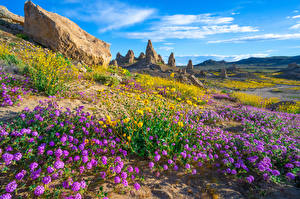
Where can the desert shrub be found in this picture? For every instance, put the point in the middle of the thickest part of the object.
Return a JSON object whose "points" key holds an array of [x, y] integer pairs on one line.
{"points": [[106, 79], [7, 56], [22, 36]]}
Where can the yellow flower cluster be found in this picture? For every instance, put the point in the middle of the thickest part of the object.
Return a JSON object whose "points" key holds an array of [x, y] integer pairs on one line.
{"points": [[49, 71], [174, 89], [254, 100], [243, 85]]}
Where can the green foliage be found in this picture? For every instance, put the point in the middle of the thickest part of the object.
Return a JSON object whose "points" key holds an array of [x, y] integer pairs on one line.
{"points": [[22, 36], [10, 59], [105, 79]]}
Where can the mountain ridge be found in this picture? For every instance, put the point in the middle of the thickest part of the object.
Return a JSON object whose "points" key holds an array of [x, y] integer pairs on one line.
{"points": [[258, 61]]}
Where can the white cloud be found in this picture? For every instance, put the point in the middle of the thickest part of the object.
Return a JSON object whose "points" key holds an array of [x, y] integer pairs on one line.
{"points": [[296, 11], [296, 17], [297, 26], [72, 1], [192, 19], [259, 38], [110, 16], [189, 27], [166, 48], [168, 43]]}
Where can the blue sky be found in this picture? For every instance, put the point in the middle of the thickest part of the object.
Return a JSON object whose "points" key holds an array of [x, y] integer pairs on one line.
{"points": [[192, 29]]}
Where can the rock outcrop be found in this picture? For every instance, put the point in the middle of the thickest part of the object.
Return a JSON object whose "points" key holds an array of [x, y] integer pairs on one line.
{"points": [[190, 66], [291, 72], [5, 14], [160, 60], [142, 56], [171, 61], [151, 55], [60, 34], [114, 62], [195, 81], [13, 23], [129, 57], [223, 73]]}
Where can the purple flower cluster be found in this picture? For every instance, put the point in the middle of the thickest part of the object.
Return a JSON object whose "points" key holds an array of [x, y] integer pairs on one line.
{"points": [[57, 140], [11, 89]]}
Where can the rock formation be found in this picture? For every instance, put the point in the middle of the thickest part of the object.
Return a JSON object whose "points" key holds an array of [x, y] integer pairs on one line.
{"points": [[190, 66], [129, 57], [119, 56], [195, 81], [5, 14], [223, 73], [160, 60], [151, 55], [114, 62], [61, 34], [142, 56], [293, 65], [12, 22], [172, 61]]}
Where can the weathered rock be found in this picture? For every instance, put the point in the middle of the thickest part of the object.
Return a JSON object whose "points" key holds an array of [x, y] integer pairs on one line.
{"points": [[182, 70], [200, 74], [195, 81], [61, 34], [151, 55], [129, 57], [293, 65], [119, 56], [10, 22], [233, 69], [171, 61], [142, 56], [183, 79], [160, 60], [190, 66], [5, 14], [114, 62], [223, 73]]}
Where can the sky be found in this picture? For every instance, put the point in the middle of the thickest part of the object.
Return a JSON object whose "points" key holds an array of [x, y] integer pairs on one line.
{"points": [[192, 29]]}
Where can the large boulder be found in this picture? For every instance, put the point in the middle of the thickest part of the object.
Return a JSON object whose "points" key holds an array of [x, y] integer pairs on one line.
{"points": [[196, 81], [60, 34], [171, 61]]}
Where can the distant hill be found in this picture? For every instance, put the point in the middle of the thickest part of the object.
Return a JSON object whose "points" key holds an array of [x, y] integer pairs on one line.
{"points": [[254, 61]]}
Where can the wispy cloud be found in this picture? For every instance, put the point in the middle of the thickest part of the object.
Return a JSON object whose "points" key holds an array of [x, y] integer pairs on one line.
{"points": [[259, 38], [109, 16], [194, 19], [296, 17], [190, 27], [296, 26], [166, 48]]}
